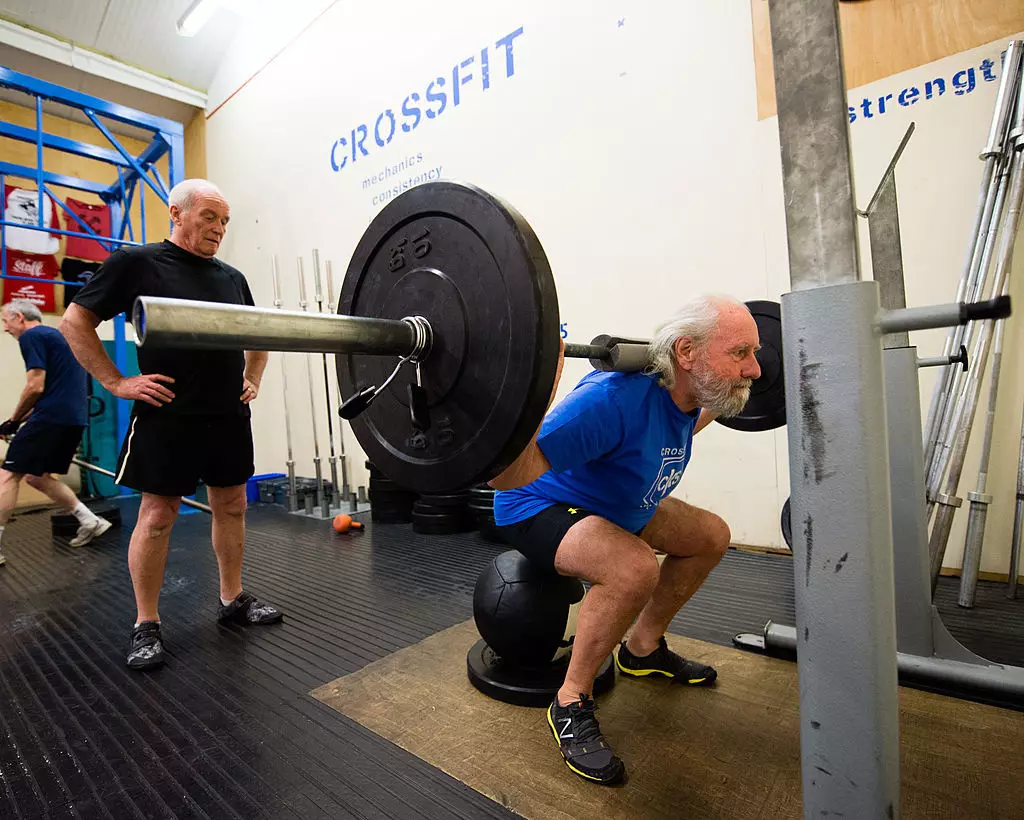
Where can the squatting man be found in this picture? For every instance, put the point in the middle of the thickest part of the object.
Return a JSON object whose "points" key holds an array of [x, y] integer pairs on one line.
{"points": [[589, 498]]}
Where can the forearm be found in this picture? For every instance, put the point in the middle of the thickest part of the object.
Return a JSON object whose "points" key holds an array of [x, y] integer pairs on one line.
{"points": [[86, 345], [27, 400], [255, 364]]}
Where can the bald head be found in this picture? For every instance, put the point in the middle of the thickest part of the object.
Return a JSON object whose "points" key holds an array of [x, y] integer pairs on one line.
{"points": [[200, 215]]}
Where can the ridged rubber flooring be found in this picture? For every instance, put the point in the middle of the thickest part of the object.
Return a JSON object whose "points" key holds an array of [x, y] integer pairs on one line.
{"points": [[227, 729]]}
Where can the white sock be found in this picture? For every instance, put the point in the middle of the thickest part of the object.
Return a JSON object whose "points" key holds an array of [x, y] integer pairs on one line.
{"points": [[225, 603], [83, 514]]}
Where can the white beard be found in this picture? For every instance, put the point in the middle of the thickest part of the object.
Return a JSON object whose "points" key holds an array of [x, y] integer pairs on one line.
{"points": [[718, 395]]}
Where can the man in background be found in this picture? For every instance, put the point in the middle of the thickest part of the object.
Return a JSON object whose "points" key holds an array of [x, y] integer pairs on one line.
{"points": [[48, 419]]}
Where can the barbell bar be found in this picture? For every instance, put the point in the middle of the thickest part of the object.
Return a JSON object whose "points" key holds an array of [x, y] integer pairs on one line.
{"points": [[185, 323]]}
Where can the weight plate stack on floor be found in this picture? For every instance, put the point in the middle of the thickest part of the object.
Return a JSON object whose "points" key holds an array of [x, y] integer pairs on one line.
{"points": [[481, 502], [390, 503], [443, 514], [65, 525]]}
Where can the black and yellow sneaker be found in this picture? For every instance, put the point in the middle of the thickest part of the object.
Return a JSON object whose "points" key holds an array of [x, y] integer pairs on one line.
{"points": [[583, 746], [663, 661]]}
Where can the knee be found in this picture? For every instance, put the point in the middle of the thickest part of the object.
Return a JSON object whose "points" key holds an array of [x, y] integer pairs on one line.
{"points": [[639, 576], [719, 538], [231, 508], [156, 522]]}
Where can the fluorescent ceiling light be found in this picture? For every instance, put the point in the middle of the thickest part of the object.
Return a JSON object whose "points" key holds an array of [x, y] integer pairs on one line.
{"points": [[196, 16]]}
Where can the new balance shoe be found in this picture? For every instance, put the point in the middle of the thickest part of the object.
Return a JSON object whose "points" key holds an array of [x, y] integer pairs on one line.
{"points": [[583, 746], [87, 532], [246, 609], [147, 647], [663, 661]]}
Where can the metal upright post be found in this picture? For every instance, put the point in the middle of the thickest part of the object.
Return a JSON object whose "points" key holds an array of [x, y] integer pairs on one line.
{"points": [[318, 290], [293, 497], [342, 458], [979, 498], [1018, 523], [324, 509], [839, 466]]}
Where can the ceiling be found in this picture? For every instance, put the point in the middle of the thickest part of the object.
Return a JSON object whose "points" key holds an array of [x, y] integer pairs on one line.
{"points": [[72, 78], [141, 33]]}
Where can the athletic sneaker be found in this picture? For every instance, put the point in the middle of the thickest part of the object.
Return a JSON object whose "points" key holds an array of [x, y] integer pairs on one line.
{"points": [[663, 661], [246, 609], [87, 532], [2, 559], [147, 648], [583, 746]]}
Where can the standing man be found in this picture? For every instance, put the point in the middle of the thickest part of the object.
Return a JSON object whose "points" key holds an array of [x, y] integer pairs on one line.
{"points": [[53, 409], [589, 498], [191, 420]]}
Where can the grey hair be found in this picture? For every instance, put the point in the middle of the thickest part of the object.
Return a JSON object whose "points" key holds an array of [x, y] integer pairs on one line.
{"points": [[23, 306], [184, 193], [697, 321]]}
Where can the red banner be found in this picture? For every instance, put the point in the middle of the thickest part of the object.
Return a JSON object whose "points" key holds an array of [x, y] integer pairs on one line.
{"points": [[32, 266]]}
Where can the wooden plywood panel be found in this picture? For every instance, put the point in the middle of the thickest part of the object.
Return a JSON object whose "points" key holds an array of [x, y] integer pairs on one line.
{"points": [[885, 37]]}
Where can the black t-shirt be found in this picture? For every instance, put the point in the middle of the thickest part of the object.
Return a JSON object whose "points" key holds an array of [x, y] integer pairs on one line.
{"points": [[205, 381]]}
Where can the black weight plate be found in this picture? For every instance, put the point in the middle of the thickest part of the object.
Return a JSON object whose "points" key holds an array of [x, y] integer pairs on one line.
{"points": [[429, 509], [490, 531], [787, 525], [472, 266], [766, 409], [445, 499], [387, 516], [442, 525]]}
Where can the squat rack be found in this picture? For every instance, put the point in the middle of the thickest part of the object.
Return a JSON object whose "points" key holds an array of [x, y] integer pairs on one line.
{"points": [[134, 174]]}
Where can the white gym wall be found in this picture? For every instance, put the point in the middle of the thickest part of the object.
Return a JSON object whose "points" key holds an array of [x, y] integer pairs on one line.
{"points": [[627, 135]]}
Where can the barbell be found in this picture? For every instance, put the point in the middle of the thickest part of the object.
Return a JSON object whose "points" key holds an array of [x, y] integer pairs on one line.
{"points": [[454, 283]]}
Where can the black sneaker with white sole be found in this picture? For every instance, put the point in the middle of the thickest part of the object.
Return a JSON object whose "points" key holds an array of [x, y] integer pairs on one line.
{"points": [[583, 746], [663, 661], [147, 647], [247, 609]]}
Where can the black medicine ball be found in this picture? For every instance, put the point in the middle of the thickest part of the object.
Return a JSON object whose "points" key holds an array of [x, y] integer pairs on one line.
{"points": [[521, 610]]}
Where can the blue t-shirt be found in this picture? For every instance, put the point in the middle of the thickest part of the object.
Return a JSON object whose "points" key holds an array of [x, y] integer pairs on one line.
{"points": [[617, 445], [65, 398]]}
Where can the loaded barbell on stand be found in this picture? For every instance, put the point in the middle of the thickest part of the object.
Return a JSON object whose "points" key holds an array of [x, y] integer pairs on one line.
{"points": [[454, 284]]}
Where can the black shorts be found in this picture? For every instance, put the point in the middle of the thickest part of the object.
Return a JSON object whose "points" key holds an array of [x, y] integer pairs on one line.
{"points": [[538, 537], [169, 454], [39, 448]]}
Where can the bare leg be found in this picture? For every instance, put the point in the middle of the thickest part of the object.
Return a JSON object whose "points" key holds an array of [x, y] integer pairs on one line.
{"points": [[695, 541], [623, 572], [55, 490], [228, 505], [147, 552], [9, 483]]}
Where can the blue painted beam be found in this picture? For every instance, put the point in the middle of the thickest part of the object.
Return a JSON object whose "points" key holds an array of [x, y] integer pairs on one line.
{"points": [[68, 146], [113, 111], [150, 154], [124, 153], [24, 172]]}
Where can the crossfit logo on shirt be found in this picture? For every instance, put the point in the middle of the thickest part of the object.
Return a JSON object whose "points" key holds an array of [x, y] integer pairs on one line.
{"points": [[673, 462]]}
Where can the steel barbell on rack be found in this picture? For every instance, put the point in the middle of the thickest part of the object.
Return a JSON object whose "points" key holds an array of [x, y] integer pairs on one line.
{"points": [[453, 283]]}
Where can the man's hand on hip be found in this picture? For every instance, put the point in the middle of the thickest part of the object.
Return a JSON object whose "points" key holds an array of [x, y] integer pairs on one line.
{"points": [[250, 390], [145, 388]]}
